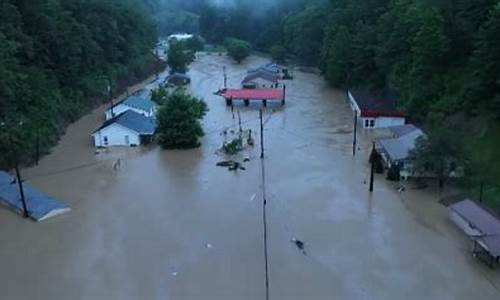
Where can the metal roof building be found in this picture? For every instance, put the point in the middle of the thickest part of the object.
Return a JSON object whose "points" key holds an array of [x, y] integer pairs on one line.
{"points": [[40, 206]]}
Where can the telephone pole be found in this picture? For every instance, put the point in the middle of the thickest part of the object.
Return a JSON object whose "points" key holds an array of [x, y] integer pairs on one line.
{"points": [[261, 135], [373, 157], [16, 168]]}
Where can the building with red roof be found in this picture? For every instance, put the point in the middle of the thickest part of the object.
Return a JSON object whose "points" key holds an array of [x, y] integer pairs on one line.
{"points": [[376, 109], [248, 95]]}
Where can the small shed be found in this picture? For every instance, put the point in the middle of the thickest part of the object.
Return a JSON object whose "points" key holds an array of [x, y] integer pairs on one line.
{"points": [[39, 205], [377, 109], [260, 79], [481, 225], [136, 103], [126, 129]]}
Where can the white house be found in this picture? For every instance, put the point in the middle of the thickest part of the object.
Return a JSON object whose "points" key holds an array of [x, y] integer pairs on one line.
{"points": [[375, 110], [126, 129], [260, 79], [138, 104]]}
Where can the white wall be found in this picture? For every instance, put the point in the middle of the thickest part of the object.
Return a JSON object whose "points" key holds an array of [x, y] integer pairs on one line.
{"points": [[382, 122], [123, 108], [116, 136]]}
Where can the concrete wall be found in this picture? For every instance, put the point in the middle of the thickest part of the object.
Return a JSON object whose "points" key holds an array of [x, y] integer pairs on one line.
{"points": [[116, 136]]}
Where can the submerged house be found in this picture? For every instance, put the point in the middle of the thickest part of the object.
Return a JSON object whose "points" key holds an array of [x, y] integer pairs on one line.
{"points": [[375, 109], [396, 149], [260, 79], [177, 79], [480, 224], [126, 129], [135, 103]]}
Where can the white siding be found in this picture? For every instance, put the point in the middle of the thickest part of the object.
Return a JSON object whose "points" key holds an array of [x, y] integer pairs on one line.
{"points": [[116, 136], [123, 108], [382, 122]]}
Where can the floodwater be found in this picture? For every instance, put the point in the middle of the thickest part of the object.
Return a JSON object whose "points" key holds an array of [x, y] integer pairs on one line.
{"points": [[172, 225]]}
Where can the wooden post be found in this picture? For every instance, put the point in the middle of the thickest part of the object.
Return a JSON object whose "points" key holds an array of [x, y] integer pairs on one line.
{"points": [[239, 122], [261, 135], [284, 95]]}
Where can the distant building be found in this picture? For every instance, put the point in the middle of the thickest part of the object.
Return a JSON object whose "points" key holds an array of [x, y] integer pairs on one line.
{"points": [[376, 110], [179, 37], [395, 150], [138, 104], [260, 79], [126, 129]]}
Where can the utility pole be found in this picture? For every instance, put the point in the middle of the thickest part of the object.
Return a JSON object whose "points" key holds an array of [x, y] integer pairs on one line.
{"points": [[239, 122], [225, 76], [18, 172], [355, 133], [261, 135], [110, 96], [372, 167]]}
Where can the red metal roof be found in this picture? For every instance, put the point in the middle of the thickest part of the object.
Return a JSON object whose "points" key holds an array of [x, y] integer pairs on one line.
{"points": [[253, 94]]}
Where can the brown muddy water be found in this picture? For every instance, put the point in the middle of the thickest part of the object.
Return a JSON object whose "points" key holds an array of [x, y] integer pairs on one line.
{"points": [[172, 225]]}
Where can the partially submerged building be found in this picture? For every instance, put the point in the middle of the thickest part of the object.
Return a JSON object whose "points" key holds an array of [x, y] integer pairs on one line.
{"points": [[260, 79], [126, 129], [177, 79], [248, 95], [375, 109], [135, 103], [39, 205], [481, 225], [395, 151]]}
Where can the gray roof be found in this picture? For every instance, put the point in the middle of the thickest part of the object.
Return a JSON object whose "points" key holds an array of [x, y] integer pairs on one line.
{"points": [[138, 103], [399, 148], [401, 130], [133, 121], [268, 76], [40, 206], [483, 220]]}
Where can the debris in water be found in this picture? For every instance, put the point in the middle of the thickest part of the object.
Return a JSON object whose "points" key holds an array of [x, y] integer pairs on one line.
{"points": [[401, 189], [231, 165], [174, 274], [253, 197], [246, 159], [300, 244], [209, 246]]}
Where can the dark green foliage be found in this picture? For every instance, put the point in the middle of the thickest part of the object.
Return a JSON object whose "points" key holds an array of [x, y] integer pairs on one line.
{"points": [[278, 53], [56, 57], [237, 49], [179, 124], [179, 57], [440, 154]]}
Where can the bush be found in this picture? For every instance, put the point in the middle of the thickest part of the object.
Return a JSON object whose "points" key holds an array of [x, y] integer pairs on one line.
{"points": [[179, 124], [237, 49], [278, 53]]}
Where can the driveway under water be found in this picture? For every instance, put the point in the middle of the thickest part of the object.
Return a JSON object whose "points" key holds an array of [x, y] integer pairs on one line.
{"points": [[172, 225]]}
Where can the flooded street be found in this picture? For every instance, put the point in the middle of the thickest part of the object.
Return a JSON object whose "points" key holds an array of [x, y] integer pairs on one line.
{"points": [[172, 225]]}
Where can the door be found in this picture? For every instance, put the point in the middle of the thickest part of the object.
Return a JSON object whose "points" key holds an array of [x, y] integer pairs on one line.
{"points": [[127, 140]]}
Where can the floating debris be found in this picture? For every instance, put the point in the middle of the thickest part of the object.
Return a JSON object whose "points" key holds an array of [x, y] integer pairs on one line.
{"points": [[246, 159], [300, 244], [231, 165], [209, 246], [174, 274]]}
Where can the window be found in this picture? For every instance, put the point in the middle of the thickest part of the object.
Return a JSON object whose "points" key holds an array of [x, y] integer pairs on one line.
{"points": [[105, 141], [367, 123], [372, 123]]}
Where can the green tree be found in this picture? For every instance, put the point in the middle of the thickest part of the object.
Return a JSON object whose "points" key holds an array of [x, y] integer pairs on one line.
{"points": [[439, 154], [237, 49], [179, 124], [178, 57], [337, 56], [278, 53]]}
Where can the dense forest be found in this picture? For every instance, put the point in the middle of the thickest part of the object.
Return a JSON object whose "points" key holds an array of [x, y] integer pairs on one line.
{"points": [[57, 59]]}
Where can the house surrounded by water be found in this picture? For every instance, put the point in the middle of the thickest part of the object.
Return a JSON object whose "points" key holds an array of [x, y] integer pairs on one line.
{"points": [[129, 128], [138, 104], [375, 109]]}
